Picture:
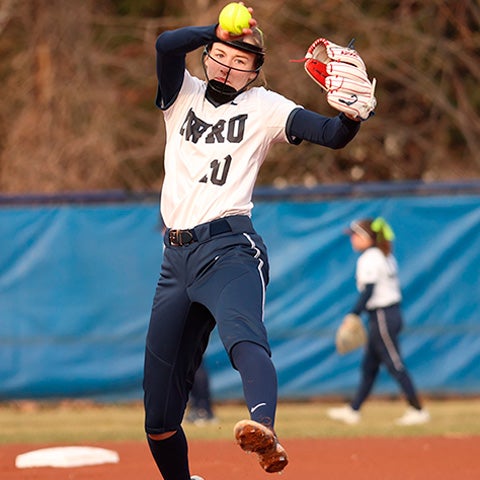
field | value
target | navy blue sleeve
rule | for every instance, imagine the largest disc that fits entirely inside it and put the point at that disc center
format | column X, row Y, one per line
column 172, row 47
column 332, row 132
column 362, row 300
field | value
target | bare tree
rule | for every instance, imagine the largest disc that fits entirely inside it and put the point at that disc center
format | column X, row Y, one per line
column 79, row 111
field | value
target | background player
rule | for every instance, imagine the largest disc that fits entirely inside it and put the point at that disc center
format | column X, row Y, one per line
column 215, row 266
column 380, row 295
column 200, row 408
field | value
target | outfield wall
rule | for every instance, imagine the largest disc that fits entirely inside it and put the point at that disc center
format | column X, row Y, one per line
column 77, row 280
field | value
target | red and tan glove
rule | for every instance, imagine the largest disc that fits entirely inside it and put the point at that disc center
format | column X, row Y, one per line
column 341, row 72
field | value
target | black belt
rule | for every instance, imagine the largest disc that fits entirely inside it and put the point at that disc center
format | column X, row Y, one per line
column 180, row 238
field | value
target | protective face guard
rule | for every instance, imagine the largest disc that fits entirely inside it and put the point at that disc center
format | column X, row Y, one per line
column 219, row 92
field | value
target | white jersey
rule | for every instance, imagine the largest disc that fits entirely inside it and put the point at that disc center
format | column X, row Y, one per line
column 211, row 166
column 374, row 267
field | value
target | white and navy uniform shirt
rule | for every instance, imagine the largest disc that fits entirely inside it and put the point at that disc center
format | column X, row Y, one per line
column 213, row 153
column 373, row 267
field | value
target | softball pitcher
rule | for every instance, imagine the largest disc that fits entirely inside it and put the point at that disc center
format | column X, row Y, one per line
column 380, row 295
column 215, row 266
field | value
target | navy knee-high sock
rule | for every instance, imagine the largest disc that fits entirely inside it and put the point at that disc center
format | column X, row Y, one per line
column 259, row 380
column 171, row 456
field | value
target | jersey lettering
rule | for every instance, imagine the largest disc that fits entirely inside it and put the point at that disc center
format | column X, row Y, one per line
column 194, row 128
column 236, row 128
column 216, row 133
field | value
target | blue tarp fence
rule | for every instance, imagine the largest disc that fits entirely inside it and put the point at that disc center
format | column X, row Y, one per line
column 78, row 274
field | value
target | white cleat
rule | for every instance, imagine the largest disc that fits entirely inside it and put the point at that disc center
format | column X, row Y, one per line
column 413, row 417
column 344, row 414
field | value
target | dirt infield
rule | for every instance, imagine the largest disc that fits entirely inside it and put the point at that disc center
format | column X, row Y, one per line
column 422, row 458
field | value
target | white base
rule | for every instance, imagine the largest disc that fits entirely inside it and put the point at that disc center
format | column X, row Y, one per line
column 65, row 457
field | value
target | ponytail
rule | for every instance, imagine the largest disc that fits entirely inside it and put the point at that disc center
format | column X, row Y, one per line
column 384, row 234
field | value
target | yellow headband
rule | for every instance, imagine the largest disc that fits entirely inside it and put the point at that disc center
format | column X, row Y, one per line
column 380, row 225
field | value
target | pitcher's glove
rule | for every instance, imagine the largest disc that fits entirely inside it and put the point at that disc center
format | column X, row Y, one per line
column 351, row 334
column 341, row 72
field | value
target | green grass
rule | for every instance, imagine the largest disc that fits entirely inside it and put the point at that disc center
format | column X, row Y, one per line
column 75, row 422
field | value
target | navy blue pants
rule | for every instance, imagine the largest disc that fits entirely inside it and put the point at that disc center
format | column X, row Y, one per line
column 219, row 279
column 384, row 327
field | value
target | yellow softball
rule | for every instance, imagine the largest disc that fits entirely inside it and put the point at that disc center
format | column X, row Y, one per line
column 234, row 18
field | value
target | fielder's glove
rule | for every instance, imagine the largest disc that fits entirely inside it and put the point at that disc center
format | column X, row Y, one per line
column 341, row 72
column 351, row 334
